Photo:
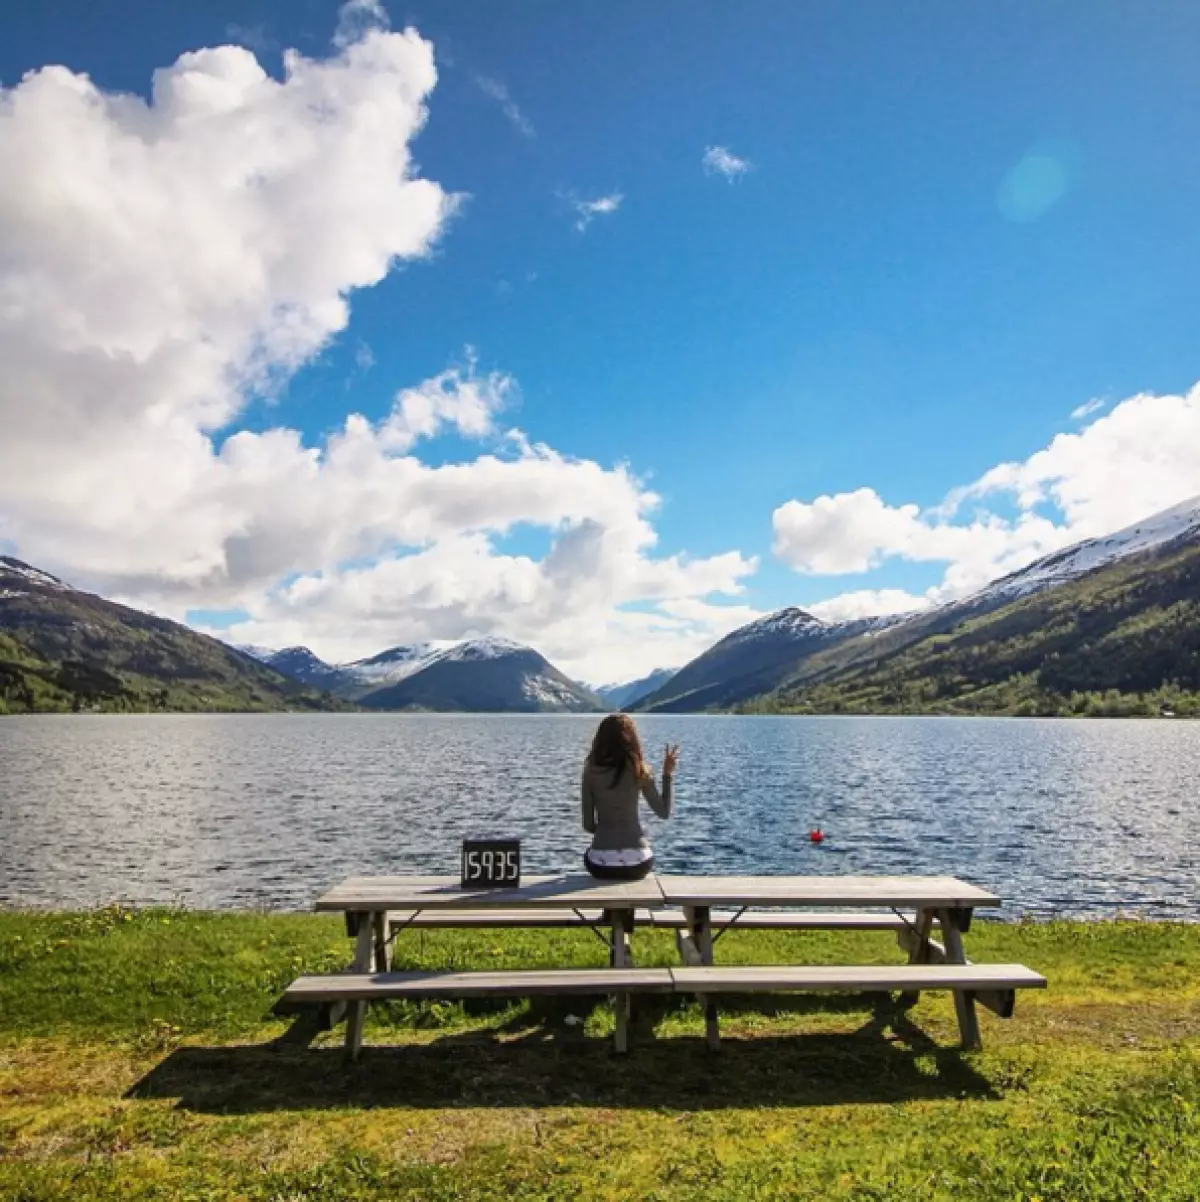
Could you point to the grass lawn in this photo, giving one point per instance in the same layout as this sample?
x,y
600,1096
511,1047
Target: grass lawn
x,y
139,1059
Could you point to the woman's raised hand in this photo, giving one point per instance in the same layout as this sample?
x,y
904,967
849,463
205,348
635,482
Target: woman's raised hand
x,y
670,758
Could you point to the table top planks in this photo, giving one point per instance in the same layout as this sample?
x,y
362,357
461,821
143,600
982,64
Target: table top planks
x,y
908,892
579,891
363,894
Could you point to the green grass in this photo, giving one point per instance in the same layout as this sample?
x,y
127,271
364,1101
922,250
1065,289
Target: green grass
x,y
139,1059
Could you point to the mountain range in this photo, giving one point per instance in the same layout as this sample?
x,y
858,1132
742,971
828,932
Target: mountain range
x,y
486,675
1109,626
63,649
623,696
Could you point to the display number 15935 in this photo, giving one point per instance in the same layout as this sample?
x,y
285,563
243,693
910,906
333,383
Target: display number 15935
x,y
491,863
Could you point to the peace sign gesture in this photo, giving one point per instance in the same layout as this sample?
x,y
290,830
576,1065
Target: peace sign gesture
x,y
670,759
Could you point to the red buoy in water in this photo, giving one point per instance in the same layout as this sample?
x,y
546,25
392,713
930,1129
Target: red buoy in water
x,y
816,835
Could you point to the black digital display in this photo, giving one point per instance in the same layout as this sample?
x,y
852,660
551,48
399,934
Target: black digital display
x,y
491,863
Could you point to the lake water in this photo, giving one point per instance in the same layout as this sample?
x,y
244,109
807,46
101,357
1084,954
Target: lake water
x,y
1073,818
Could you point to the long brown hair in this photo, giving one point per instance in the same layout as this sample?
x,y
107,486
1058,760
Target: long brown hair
x,y
618,747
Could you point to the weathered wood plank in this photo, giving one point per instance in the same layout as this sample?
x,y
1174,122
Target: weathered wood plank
x,y
363,987
620,958
910,892
918,947
455,919
357,1011
428,893
572,891
867,978
383,949
790,920
689,953
964,1000
723,979
669,919
703,937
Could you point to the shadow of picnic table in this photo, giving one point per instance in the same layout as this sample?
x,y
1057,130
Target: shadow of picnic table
x,y
535,1061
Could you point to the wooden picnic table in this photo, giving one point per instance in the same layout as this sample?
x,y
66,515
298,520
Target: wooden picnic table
x,y
948,900
377,909
367,901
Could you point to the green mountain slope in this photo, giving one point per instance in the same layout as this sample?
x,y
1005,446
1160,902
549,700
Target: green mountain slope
x,y
62,649
1124,639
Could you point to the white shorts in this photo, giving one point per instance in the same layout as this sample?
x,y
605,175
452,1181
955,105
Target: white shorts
x,y
622,857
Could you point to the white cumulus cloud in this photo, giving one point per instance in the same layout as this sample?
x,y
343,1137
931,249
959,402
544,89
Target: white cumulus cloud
x,y
569,605
720,160
165,261
587,210
867,603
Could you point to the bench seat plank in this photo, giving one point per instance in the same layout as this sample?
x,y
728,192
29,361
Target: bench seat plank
x,y
751,920
765,979
792,920
909,892
382,985
460,919
874,977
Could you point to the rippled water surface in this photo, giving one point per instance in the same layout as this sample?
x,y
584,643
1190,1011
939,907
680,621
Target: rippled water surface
x,y
237,811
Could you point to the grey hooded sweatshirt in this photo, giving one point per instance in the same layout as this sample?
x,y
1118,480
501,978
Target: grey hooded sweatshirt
x,y
610,806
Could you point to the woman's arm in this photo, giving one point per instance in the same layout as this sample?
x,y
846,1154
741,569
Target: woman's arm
x,y
588,797
661,803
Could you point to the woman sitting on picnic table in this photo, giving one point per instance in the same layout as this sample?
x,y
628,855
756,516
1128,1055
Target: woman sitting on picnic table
x,y
615,774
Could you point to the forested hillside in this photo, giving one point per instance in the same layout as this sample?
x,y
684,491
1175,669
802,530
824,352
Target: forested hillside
x,y
63,649
1121,640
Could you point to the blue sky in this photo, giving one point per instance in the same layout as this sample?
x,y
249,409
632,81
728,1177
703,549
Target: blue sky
x,y
958,225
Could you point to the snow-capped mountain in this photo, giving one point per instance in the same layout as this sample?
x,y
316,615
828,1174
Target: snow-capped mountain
x,y
620,696
752,659
485,675
347,680
761,655
791,624
1113,617
18,579
1158,532
391,665
299,663
254,651
488,647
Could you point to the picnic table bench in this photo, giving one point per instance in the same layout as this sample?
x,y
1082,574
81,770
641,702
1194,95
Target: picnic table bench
x,y
378,909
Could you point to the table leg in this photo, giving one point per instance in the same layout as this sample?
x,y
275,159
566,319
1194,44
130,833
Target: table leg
x,y
700,923
685,940
619,959
917,942
362,964
383,949
964,999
